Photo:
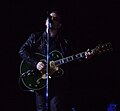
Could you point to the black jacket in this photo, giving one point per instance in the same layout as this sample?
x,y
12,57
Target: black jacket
x,y
36,43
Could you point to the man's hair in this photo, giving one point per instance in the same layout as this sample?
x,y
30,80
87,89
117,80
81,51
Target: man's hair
x,y
58,15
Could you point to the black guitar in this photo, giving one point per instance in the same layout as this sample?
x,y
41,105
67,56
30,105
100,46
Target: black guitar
x,y
36,80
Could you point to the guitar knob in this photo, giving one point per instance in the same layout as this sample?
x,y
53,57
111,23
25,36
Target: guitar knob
x,y
36,85
30,85
38,82
28,74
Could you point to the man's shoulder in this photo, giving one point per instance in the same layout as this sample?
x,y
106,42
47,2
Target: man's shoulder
x,y
37,35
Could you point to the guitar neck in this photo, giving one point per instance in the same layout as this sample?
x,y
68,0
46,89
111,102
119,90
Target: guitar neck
x,y
80,56
70,58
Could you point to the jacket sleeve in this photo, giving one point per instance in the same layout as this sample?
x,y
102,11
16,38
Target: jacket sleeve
x,y
27,49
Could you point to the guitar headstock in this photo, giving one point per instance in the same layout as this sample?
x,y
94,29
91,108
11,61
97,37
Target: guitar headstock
x,y
101,48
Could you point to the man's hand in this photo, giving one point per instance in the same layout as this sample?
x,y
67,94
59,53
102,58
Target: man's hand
x,y
88,54
40,66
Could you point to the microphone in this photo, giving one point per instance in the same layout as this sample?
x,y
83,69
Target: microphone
x,y
49,18
48,22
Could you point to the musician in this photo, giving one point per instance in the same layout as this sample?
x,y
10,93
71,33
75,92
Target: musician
x,y
36,43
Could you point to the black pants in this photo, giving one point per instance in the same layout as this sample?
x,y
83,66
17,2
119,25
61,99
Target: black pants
x,y
55,103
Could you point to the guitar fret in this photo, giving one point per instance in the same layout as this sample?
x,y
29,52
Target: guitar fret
x,y
70,58
80,55
64,60
57,62
61,61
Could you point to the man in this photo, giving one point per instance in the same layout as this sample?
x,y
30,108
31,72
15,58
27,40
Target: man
x,y
37,43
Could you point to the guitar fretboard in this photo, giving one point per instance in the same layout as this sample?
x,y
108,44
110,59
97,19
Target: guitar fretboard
x,y
70,58
98,49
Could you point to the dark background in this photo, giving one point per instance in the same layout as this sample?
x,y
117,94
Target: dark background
x,y
93,83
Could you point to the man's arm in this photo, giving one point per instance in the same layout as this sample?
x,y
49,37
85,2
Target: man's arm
x,y
27,49
26,53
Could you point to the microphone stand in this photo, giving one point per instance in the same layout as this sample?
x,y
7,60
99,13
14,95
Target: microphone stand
x,y
48,24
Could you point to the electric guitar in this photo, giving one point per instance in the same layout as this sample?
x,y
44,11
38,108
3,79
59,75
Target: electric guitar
x,y
33,79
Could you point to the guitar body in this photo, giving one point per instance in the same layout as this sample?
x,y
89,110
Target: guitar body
x,y
34,79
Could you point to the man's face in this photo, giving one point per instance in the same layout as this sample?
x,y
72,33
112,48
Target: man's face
x,y
55,21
